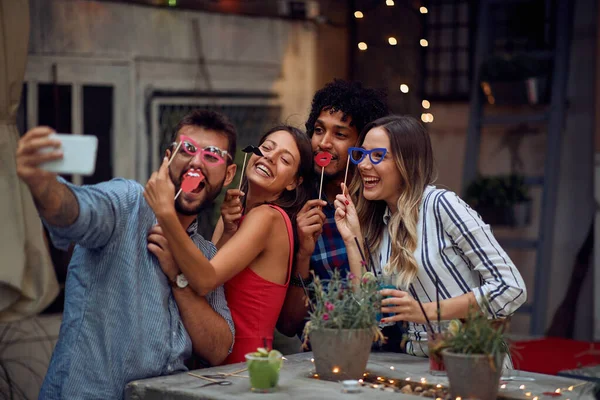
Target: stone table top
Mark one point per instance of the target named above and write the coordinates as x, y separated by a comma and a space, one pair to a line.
295, 382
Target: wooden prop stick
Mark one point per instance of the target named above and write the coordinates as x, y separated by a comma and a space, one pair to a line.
237, 371
202, 377
247, 150
242, 174
306, 293
346, 176
321, 184
173, 155
414, 294
322, 159
178, 193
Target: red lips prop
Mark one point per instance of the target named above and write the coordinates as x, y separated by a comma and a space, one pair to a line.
322, 159
191, 181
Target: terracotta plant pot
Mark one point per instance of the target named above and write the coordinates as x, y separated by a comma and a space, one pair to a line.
473, 376
341, 353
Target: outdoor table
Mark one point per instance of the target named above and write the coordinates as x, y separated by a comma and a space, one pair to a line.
296, 382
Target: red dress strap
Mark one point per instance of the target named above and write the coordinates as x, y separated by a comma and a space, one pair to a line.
290, 231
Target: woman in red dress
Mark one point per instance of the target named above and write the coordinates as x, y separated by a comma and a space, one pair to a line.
255, 249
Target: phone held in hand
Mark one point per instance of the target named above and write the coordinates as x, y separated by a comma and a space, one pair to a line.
79, 154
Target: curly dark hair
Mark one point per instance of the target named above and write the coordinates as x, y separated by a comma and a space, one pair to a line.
361, 104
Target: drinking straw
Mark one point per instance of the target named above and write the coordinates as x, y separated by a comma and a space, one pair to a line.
414, 294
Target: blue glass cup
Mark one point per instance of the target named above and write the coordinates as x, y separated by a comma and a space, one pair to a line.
385, 282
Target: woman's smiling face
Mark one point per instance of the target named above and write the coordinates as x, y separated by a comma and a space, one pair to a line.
381, 181
277, 169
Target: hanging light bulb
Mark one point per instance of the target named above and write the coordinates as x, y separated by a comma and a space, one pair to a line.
358, 14
362, 46
392, 40
404, 88
389, 3
424, 42
426, 104
423, 10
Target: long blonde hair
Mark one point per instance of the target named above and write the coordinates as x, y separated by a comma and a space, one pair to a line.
412, 153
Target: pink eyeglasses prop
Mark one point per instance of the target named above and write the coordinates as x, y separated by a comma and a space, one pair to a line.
211, 155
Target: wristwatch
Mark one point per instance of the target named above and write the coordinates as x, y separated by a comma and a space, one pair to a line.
180, 281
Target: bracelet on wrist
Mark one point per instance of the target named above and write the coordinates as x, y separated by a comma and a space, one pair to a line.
297, 280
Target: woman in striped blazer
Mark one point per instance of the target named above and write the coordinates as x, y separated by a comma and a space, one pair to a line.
421, 235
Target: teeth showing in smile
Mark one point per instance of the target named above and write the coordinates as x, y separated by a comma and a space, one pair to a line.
263, 169
370, 181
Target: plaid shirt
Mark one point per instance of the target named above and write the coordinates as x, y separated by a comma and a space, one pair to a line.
330, 250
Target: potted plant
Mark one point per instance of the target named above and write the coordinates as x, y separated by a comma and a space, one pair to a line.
516, 79
473, 356
501, 200
343, 324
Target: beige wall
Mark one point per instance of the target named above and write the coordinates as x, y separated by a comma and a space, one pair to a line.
163, 47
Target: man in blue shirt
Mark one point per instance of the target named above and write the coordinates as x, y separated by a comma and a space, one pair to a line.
339, 112
121, 320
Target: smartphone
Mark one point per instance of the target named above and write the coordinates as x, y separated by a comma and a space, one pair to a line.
79, 154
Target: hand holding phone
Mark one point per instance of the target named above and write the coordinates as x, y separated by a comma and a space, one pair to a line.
79, 154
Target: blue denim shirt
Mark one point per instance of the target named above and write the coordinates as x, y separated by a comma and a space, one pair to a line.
120, 322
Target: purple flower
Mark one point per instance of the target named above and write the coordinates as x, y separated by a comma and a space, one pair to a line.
351, 276
329, 306
325, 317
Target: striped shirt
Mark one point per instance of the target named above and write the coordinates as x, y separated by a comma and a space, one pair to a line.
455, 246
120, 322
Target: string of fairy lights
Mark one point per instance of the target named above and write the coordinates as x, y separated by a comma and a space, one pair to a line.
506, 389
426, 115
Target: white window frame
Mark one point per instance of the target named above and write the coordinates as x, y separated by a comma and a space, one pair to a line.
79, 72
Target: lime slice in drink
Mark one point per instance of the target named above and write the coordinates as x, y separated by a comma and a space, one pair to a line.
263, 352
275, 357
454, 327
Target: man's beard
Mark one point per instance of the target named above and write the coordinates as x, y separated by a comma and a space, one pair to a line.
210, 196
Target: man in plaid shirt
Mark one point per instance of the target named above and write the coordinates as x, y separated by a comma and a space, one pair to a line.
339, 112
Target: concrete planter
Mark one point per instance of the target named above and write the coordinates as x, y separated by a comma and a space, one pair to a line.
472, 376
341, 353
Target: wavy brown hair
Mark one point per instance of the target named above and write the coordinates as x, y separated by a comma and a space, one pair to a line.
412, 153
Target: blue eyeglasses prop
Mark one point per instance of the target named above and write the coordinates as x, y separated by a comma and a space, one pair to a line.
358, 154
